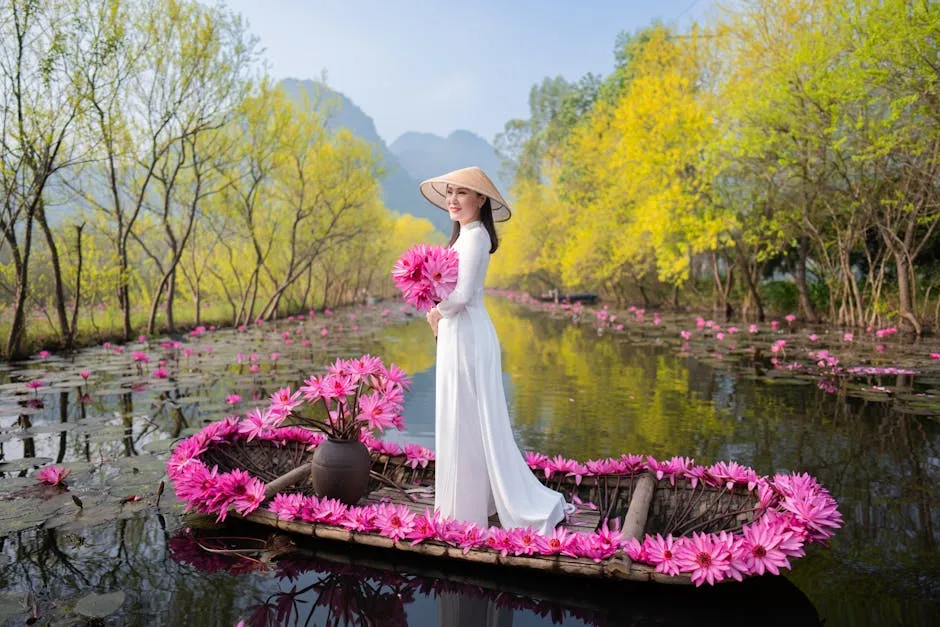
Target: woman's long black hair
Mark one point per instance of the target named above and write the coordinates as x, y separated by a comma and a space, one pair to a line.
486, 217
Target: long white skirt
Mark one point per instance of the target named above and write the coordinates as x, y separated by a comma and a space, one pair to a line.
479, 469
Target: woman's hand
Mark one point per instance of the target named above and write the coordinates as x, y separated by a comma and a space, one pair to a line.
434, 316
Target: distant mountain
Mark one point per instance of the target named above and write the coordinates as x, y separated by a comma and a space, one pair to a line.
425, 155
399, 188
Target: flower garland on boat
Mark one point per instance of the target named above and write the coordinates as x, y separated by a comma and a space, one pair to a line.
795, 509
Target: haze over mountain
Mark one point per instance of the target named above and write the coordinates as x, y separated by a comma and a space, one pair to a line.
425, 155
411, 158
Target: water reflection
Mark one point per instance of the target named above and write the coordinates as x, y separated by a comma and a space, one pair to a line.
326, 584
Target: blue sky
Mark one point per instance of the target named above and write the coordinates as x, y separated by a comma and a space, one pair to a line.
418, 65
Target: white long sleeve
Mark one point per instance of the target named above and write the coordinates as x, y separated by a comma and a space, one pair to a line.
473, 248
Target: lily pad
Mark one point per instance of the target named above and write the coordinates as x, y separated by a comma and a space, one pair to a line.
99, 605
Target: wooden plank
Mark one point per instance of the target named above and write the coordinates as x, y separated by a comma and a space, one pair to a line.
635, 520
611, 568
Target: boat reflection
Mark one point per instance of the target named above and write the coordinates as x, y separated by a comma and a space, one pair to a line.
319, 583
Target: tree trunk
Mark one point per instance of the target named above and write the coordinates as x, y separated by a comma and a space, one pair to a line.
14, 348
58, 284
73, 327
905, 293
806, 306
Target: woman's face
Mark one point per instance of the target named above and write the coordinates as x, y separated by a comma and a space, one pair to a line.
463, 204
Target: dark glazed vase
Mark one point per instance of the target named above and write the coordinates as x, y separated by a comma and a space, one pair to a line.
341, 470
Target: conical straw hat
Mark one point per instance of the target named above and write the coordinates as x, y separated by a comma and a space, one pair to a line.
474, 178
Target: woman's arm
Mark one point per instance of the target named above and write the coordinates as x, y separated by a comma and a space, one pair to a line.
468, 267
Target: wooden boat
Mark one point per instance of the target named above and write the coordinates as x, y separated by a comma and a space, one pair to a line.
644, 504
588, 298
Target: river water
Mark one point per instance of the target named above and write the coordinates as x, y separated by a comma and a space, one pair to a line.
577, 385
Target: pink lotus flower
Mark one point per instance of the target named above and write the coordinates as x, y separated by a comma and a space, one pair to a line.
704, 557
790, 318
286, 506
524, 541
661, 553
360, 519
774, 324
425, 527
395, 521
418, 455
254, 368
685, 335
935, 355
140, 357
847, 337
259, 421
559, 542
84, 374
761, 547
43, 354
35, 384
426, 275
498, 539
242, 491
161, 373
752, 328
233, 399
53, 475
283, 402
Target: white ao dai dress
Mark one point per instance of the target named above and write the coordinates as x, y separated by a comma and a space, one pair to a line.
479, 469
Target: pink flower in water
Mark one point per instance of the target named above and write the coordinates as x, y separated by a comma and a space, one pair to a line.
761, 547
935, 355
619, 327
661, 553
790, 318
813, 337
752, 328
704, 557
286, 506
720, 336
324, 332
84, 374
305, 342
207, 348
35, 384
685, 335
161, 373
254, 368
141, 338
395, 521
880, 348
187, 352
774, 324
327, 312
140, 357
239, 358
847, 337
43, 354
53, 475
118, 350
732, 330
275, 356
233, 399
254, 357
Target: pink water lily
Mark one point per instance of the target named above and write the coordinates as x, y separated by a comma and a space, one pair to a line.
761, 547
704, 557
395, 521
53, 475
661, 553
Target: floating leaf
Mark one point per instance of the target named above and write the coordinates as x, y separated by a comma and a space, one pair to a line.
99, 605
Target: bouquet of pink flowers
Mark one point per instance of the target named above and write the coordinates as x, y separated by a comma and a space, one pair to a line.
426, 275
355, 395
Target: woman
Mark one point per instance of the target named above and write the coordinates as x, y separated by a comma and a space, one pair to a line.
479, 469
